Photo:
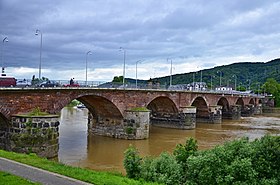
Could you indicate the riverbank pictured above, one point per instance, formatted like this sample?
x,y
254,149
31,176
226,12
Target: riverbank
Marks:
x,y
271,110
81,174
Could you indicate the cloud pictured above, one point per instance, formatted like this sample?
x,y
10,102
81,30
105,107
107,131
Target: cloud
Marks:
x,y
210,33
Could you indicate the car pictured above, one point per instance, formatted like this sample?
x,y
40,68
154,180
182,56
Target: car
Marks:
x,y
6,81
23,83
49,83
71,85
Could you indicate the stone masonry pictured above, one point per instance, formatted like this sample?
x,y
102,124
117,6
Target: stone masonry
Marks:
x,y
34,134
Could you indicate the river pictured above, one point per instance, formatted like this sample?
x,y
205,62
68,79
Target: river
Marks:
x,y
77,147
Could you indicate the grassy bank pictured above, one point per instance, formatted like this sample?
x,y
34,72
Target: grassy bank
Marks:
x,y
8,179
74,172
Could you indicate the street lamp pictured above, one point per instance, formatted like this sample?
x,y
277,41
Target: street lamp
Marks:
x,y
88,53
124,53
136,73
200,80
220,77
234,81
212,82
4,40
40,64
170,71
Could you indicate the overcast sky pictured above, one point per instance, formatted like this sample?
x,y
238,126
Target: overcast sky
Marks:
x,y
194,34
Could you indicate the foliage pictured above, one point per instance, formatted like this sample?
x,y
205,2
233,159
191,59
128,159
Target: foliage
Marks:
x,y
9,179
183,152
132,162
118,79
236,162
140,109
73,103
36,81
273,87
86,175
163,169
248,74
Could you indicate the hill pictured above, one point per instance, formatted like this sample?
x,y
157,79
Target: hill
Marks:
x,y
248,75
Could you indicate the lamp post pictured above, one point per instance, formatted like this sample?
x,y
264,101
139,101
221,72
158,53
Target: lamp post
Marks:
x,y
136,73
212,82
170,71
249,84
258,89
88,53
40,64
200,80
234,81
4,40
124,53
220,77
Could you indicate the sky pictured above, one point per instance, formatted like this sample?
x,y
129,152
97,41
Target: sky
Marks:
x,y
193,34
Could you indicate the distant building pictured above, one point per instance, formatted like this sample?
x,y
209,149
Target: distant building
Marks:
x,y
195,86
223,88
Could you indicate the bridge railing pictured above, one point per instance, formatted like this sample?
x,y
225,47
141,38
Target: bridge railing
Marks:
x,y
141,86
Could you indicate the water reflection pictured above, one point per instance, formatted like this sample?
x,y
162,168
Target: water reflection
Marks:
x,y
79,148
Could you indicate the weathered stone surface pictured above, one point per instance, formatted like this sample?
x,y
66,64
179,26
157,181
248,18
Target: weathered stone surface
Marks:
x,y
134,126
26,135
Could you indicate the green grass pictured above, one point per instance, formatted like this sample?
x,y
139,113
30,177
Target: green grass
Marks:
x,y
8,179
95,177
140,109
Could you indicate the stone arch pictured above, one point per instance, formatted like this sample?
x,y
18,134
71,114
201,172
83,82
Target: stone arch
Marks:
x,y
162,106
102,109
225,106
224,103
252,101
202,110
240,102
3,120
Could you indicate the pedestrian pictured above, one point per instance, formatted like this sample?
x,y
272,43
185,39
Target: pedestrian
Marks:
x,y
71,81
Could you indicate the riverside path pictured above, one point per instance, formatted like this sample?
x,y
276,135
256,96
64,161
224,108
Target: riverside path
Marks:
x,y
35,174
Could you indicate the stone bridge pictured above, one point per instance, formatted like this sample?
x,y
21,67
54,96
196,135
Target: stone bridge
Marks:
x,y
121,113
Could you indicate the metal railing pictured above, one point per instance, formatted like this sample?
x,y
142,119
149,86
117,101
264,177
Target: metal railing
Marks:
x,y
132,86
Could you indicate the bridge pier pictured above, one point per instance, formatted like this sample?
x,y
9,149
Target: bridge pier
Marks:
x,y
248,110
213,114
186,119
31,134
135,125
258,109
234,113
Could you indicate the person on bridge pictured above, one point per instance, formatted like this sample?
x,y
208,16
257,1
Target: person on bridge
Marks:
x,y
71,81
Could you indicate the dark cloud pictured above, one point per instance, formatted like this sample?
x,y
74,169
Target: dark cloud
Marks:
x,y
184,30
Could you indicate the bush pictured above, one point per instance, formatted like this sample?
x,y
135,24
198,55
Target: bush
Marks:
x,y
132,162
163,169
236,162
182,152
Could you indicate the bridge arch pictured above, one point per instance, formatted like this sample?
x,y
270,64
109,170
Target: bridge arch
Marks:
x,y
252,101
240,102
202,110
3,120
163,105
100,106
225,106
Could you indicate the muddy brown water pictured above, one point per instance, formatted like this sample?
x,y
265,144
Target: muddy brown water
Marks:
x,y
77,147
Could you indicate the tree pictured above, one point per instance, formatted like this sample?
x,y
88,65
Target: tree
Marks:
x,y
273,87
132,162
118,79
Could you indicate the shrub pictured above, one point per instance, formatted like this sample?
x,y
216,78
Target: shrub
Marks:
x,y
132,162
163,169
